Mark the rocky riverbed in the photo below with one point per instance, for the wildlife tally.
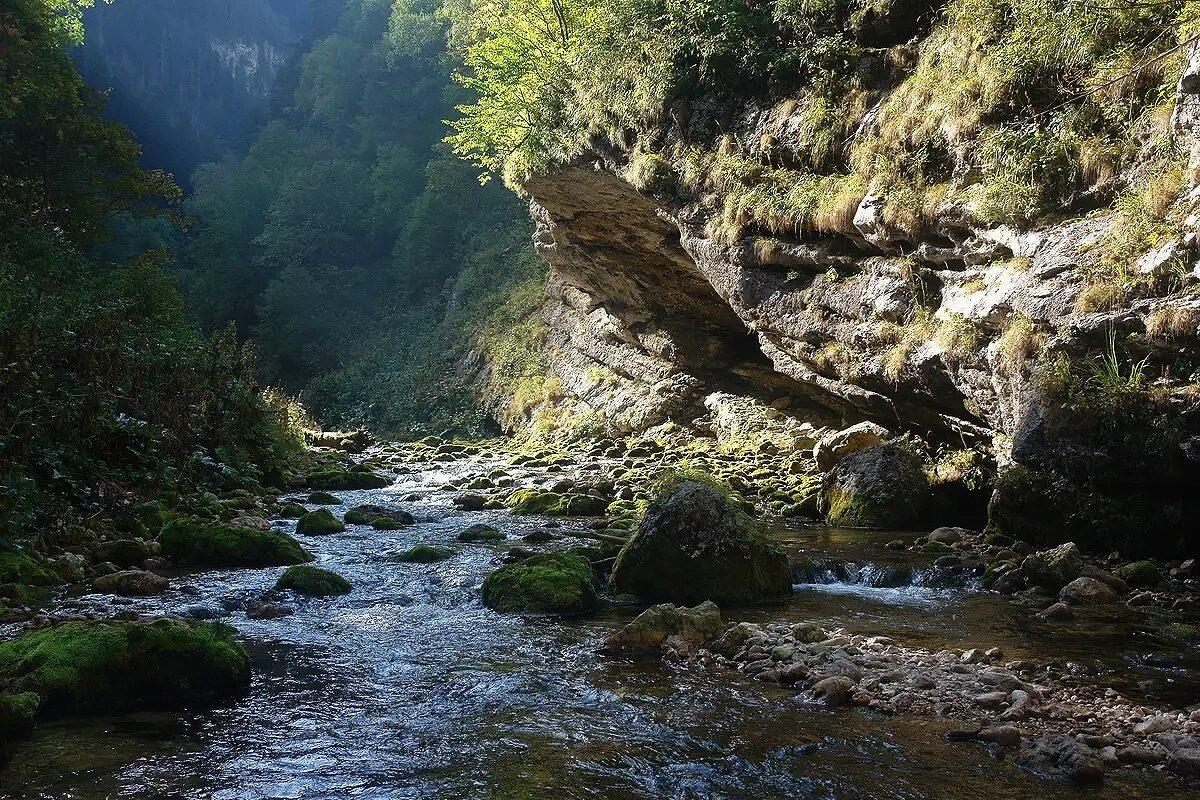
(913, 646)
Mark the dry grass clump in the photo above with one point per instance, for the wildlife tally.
(1173, 322)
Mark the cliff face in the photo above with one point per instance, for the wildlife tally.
(192, 79)
(991, 336)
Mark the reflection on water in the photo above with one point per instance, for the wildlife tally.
(408, 688)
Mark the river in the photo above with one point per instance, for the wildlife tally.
(409, 688)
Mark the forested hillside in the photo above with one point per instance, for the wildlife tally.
(376, 274)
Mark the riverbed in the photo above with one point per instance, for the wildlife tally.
(408, 688)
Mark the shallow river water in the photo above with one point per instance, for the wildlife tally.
(409, 688)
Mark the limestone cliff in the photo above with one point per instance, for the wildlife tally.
(667, 286)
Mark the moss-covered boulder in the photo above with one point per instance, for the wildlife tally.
(324, 499)
(312, 581)
(694, 545)
(292, 511)
(97, 667)
(1140, 574)
(425, 554)
(481, 533)
(319, 522)
(154, 515)
(884, 486)
(560, 582)
(667, 627)
(197, 542)
(337, 479)
(537, 501)
(1054, 568)
(379, 517)
(123, 552)
(131, 583)
(17, 715)
(24, 569)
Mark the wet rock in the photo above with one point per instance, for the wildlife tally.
(269, 610)
(540, 536)
(834, 691)
(1003, 735)
(1185, 762)
(1062, 757)
(1085, 591)
(481, 533)
(1140, 574)
(561, 581)
(86, 667)
(1157, 724)
(672, 629)
(324, 499)
(470, 502)
(312, 581)
(131, 582)
(948, 535)
(693, 545)
(123, 552)
(198, 542)
(347, 479)
(425, 554)
(1059, 612)
(1054, 568)
(292, 511)
(378, 517)
(319, 523)
(880, 486)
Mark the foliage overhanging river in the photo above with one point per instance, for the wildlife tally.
(409, 688)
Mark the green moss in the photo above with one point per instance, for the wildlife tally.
(1140, 574)
(319, 522)
(312, 581)
(1181, 630)
(324, 499)
(17, 713)
(425, 554)
(124, 552)
(343, 479)
(21, 568)
(936, 548)
(537, 501)
(154, 515)
(481, 533)
(95, 667)
(197, 542)
(549, 582)
(292, 511)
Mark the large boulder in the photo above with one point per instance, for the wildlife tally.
(693, 545)
(99, 667)
(1054, 568)
(1086, 591)
(669, 628)
(131, 582)
(198, 542)
(347, 479)
(549, 582)
(312, 581)
(319, 522)
(878, 487)
(839, 444)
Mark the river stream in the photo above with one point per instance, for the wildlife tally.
(409, 688)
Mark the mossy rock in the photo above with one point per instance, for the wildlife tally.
(936, 548)
(378, 517)
(312, 581)
(324, 499)
(198, 542)
(154, 515)
(582, 505)
(319, 522)
(292, 511)
(1140, 574)
(481, 533)
(560, 582)
(884, 486)
(99, 667)
(23, 569)
(17, 714)
(425, 554)
(345, 479)
(694, 545)
(124, 552)
(537, 501)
